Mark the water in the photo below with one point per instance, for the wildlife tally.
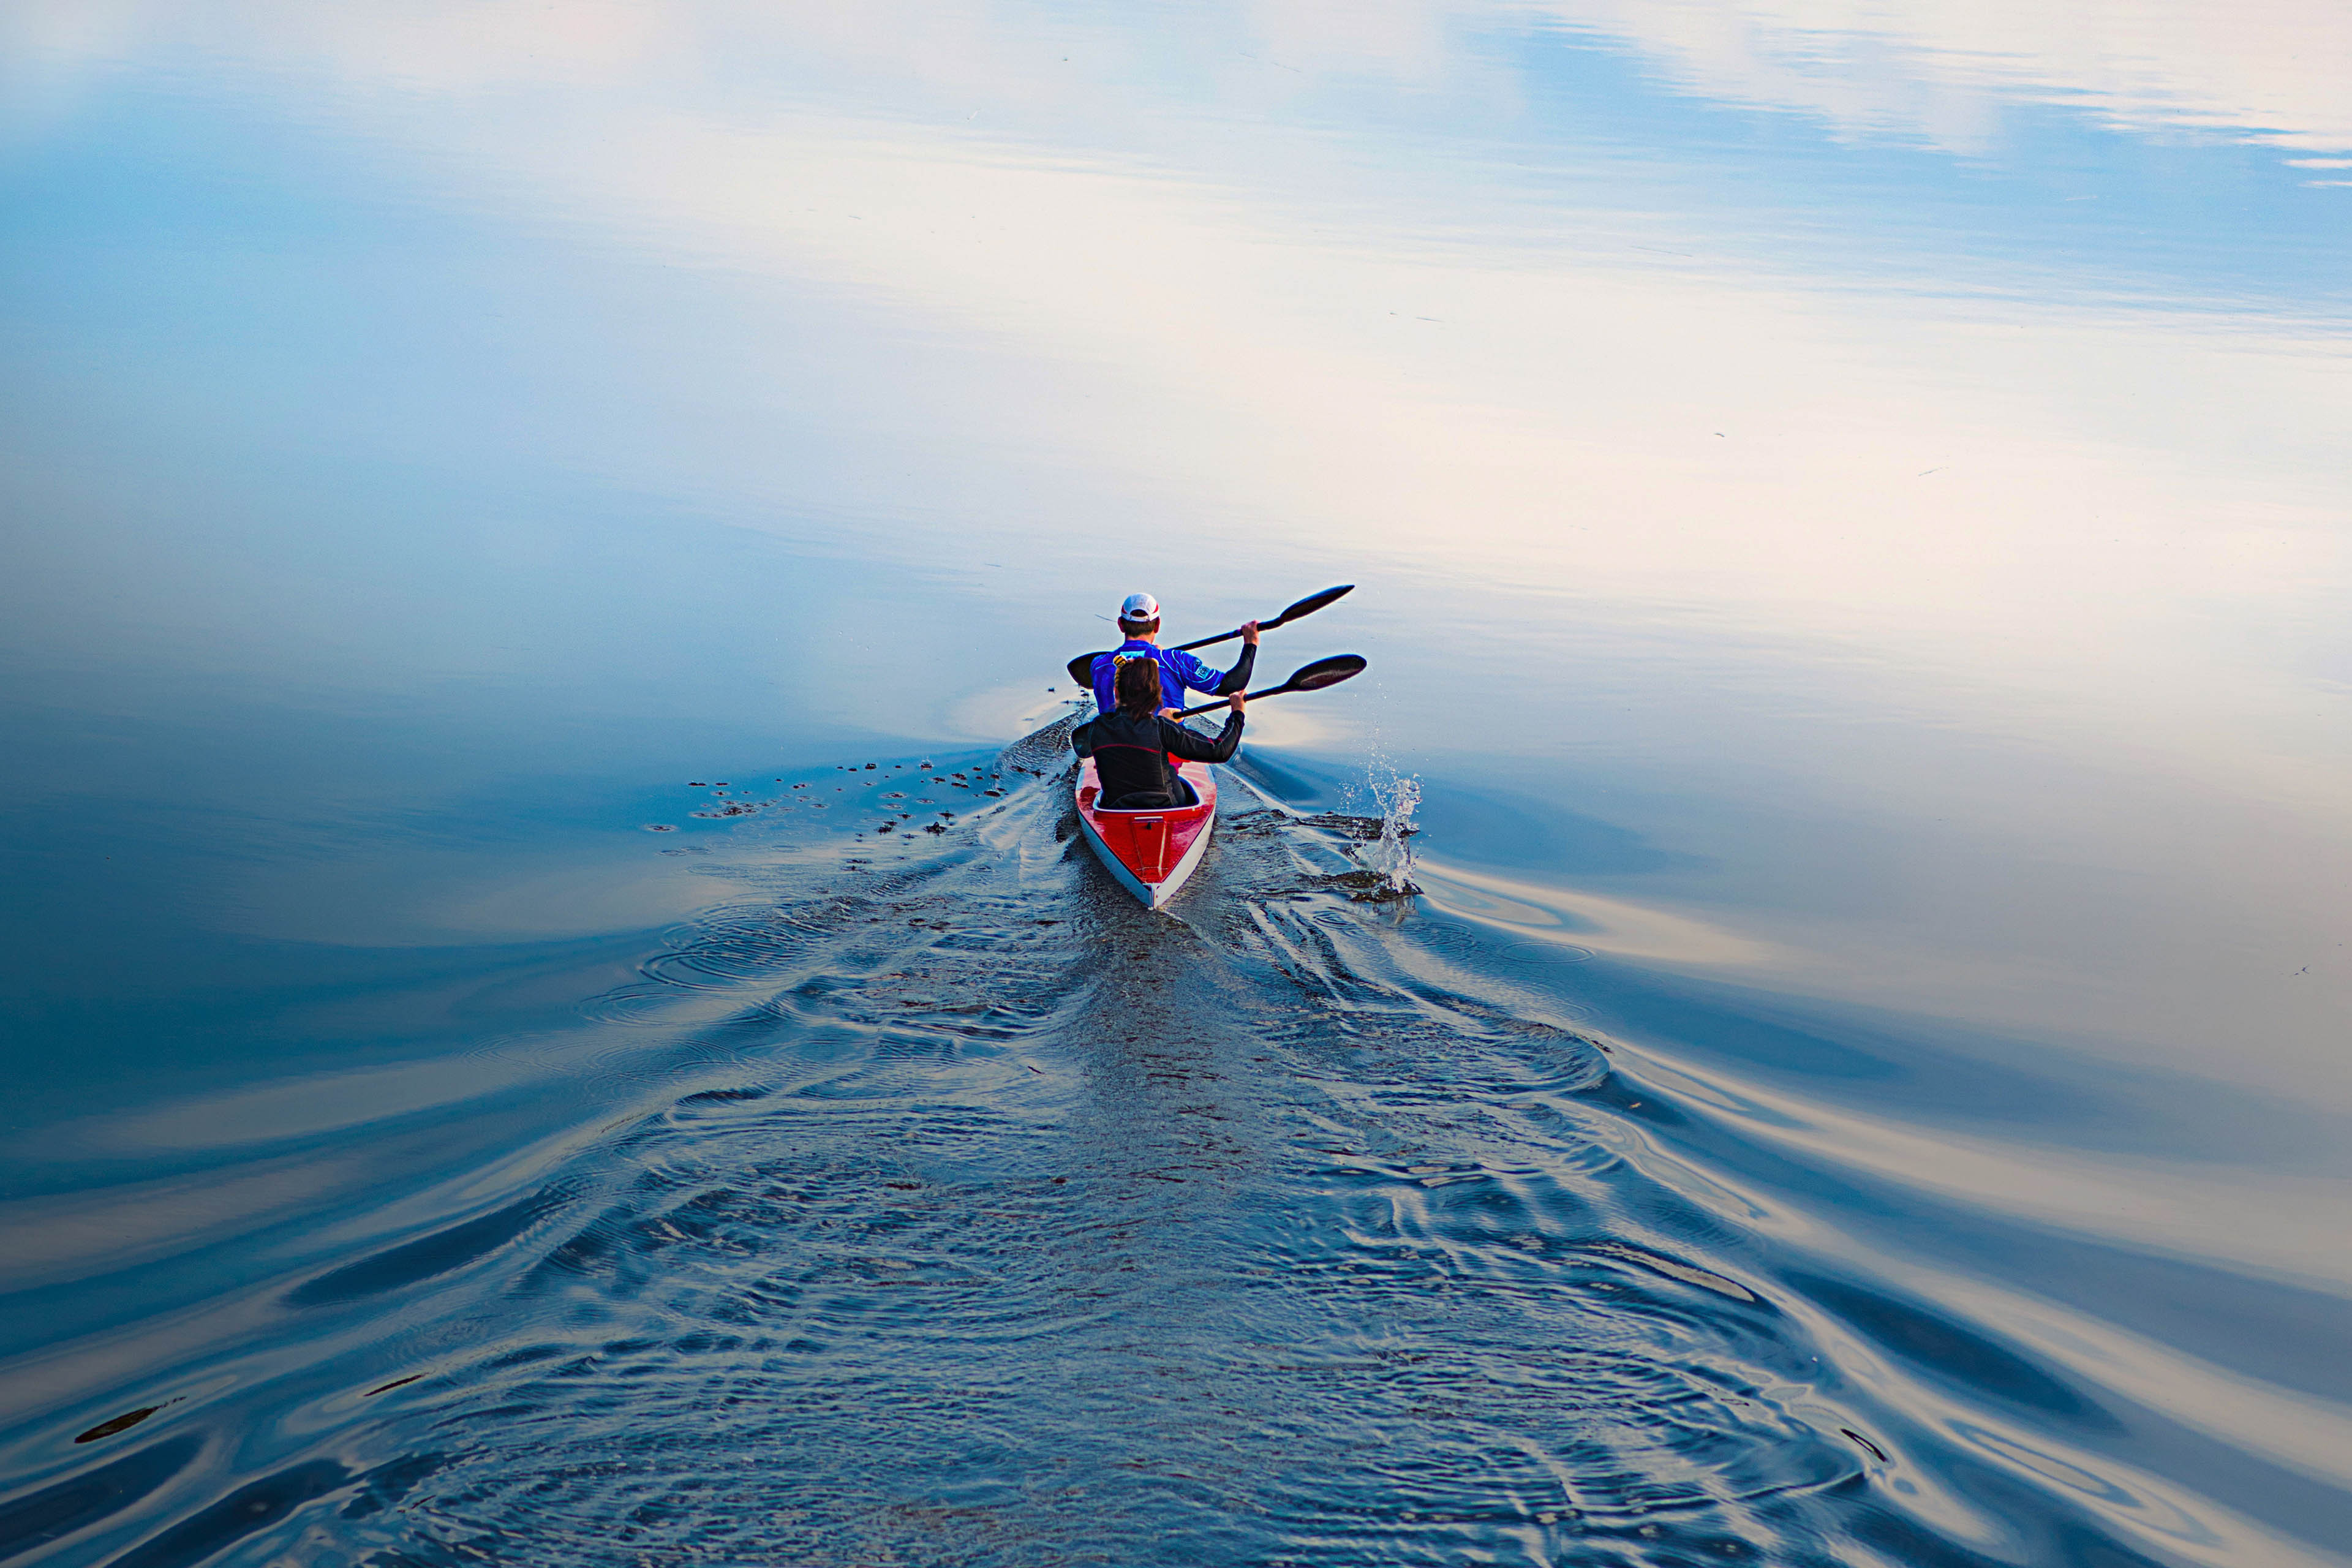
(1794, 1015)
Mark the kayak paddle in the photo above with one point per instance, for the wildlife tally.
(1082, 668)
(1313, 677)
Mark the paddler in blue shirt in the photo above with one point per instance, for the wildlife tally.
(1139, 622)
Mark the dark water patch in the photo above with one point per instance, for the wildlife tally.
(429, 1257)
(253, 1506)
(1362, 830)
(1967, 1358)
(2290, 1335)
(386, 1485)
(58, 1510)
(723, 1097)
(1288, 779)
(1890, 1064)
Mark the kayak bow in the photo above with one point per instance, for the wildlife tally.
(1151, 853)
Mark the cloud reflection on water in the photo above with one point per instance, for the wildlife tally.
(1946, 69)
(2017, 525)
(2270, 72)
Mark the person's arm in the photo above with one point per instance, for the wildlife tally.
(1179, 742)
(1191, 674)
(1082, 740)
(1238, 677)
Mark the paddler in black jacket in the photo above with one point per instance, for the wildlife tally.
(1135, 748)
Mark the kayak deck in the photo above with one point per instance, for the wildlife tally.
(1151, 853)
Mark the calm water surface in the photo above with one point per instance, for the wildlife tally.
(503, 503)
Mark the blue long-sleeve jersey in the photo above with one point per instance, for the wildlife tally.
(1178, 671)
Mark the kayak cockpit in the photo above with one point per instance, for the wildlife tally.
(1150, 851)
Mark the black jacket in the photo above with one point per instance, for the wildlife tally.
(1131, 756)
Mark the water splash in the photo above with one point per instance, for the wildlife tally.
(1389, 857)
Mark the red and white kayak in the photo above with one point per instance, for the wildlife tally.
(1153, 853)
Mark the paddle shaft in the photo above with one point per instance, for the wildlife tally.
(1313, 677)
(1306, 606)
(1222, 636)
(1224, 701)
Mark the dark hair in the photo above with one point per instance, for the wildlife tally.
(1138, 628)
(1139, 686)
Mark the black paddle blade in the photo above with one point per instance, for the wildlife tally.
(1326, 672)
(1312, 603)
(1082, 669)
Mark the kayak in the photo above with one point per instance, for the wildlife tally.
(1153, 853)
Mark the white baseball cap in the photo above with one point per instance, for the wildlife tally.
(1140, 607)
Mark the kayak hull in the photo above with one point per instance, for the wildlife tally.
(1151, 854)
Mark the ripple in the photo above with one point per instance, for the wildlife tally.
(994, 1220)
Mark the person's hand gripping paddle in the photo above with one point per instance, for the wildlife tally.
(1082, 668)
(1313, 677)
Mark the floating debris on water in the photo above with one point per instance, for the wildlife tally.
(122, 1423)
(1368, 887)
